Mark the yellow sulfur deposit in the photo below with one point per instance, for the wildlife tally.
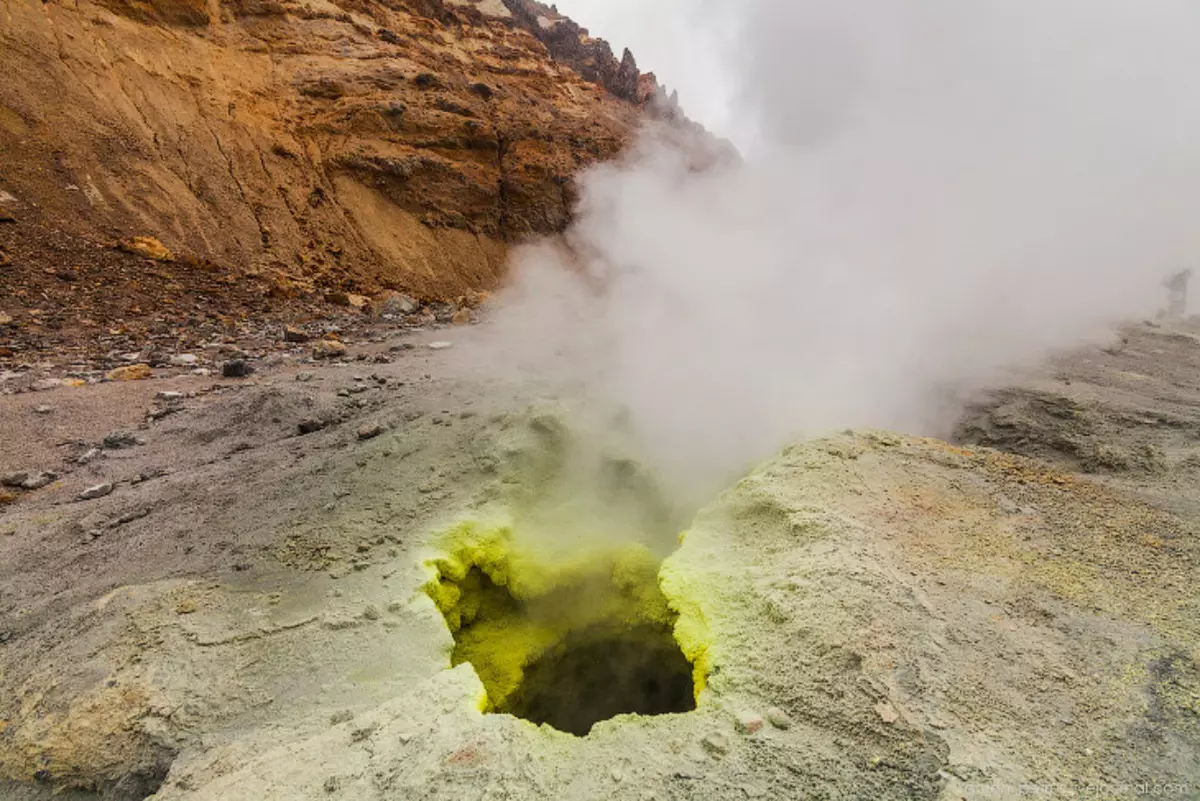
(515, 614)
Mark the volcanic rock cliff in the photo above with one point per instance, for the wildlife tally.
(296, 145)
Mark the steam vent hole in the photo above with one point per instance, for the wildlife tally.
(567, 645)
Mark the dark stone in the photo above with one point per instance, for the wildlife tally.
(236, 368)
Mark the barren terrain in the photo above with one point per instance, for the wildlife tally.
(870, 615)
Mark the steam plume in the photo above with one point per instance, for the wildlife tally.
(932, 191)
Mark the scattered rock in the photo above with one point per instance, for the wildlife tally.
(393, 304)
(6, 216)
(7, 497)
(440, 345)
(236, 368)
(778, 718)
(303, 377)
(132, 372)
(14, 479)
(748, 723)
(5, 260)
(184, 360)
(370, 431)
(311, 425)
(347, 299)
(338, 718)
(43, 409)
(98, 491)
(169, 397)
(129, 517)
(293, 334)
(371, 612)
(44, 384)
(39, 480)
(402, 346)
(186, 607)
(716, 743)
(147, 246)
(328, 349)
(461, 317)
(887, 713)
(118, 439)
(5, 319)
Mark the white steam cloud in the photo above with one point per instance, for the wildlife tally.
(932, 191)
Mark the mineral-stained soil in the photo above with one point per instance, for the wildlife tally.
(280, 149)
(869, 615)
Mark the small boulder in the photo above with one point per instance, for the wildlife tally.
(120, 439)
(778, 718)
(147, 246)
(393, 304)
(370, 431)
(14, 479)
(184, 360)
(98, 491)
(39, 480)
(132, 372)
(328, 349)
(311, 425)
(293, 334)
(236, 368)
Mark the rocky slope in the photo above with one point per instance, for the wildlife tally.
(293, 146)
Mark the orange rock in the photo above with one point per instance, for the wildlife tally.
(132, 372)
(147, 246)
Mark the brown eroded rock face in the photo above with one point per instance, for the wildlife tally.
(348, 144)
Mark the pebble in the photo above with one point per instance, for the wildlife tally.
(440, 345)
(236, 368)
(716, 743)
(202, 372)
(169, 396)
(749, 723)
(370, 431)
(778, 718)
(887, 713)
(311, 425)
(184, 360)
(98, 491)
(43, 409)
(302, 377)
(120, 439)
(91, 454)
